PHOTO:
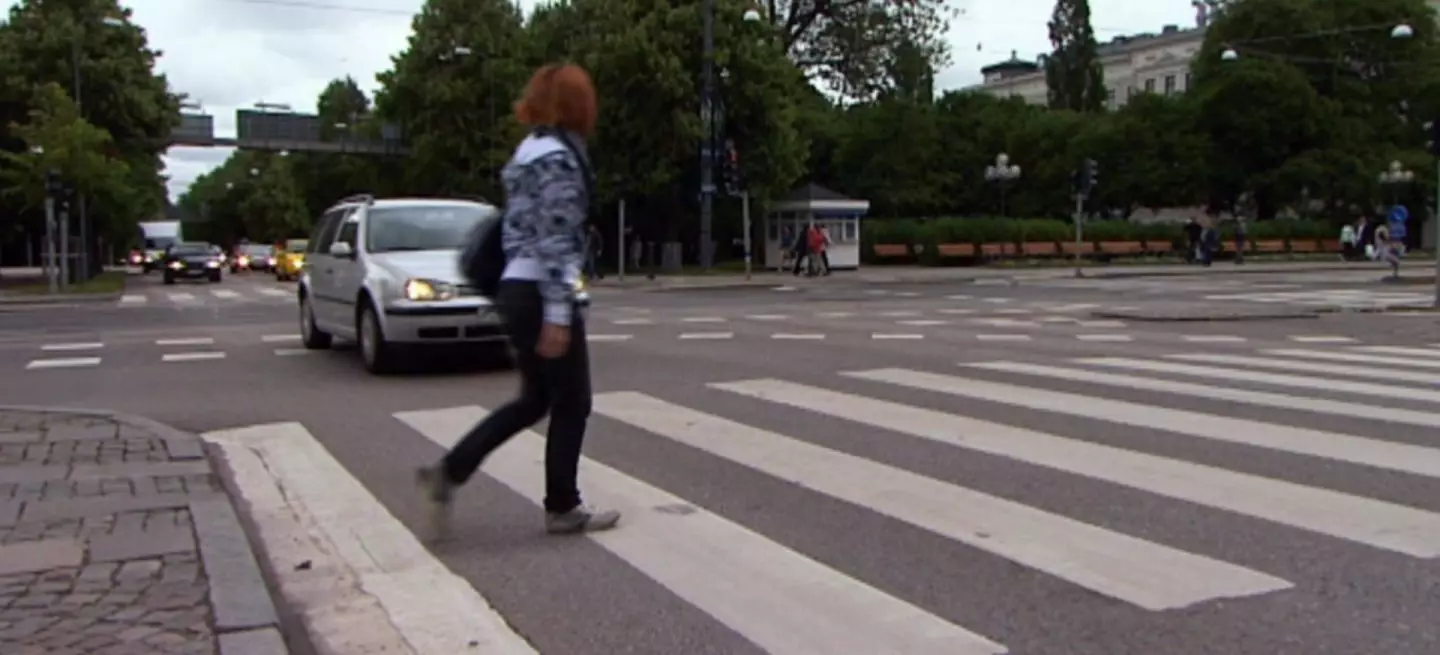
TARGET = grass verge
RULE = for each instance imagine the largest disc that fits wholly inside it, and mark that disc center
(107, 282)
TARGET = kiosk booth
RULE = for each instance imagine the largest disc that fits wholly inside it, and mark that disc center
(834, 213)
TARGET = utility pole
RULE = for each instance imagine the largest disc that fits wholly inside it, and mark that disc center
(707, 149)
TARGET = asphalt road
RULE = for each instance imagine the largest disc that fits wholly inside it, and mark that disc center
(835, 467)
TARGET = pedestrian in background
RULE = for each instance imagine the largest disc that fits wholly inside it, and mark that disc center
(548, 190)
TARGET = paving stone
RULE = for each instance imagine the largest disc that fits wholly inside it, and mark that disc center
(9, 513)
(14, 474)
(185, 448)
(237, 590)
(73, 432)
(47, 510)
(138, 570)
(138, 470)
(36, 556)
(19, 436)
(264, 641)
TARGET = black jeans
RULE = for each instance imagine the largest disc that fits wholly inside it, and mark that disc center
(559, 387)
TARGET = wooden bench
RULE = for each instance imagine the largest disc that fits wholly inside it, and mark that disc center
(1304, 245)
(996, 249)
(1274, 245)
(1039, 248)
(955, 249)
(891, 250)
(1084, 247)
(1331, 245)
(1122, 247)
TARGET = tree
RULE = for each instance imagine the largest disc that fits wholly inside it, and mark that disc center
(845, 44)
(449, 92)
(48, 42)
(56, 139)
(321, 177)
(1073, 73)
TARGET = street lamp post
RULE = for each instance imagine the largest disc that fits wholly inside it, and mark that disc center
(1002, 173)
(707, 119)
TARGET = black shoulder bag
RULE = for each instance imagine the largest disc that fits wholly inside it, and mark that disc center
(482, 262)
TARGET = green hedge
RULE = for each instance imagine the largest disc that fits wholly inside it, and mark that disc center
(922, 235)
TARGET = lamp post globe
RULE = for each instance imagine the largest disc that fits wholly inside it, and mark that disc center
(1229, 54)
(752, 15)
(1402, 31)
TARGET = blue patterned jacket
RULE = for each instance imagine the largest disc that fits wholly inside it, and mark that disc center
(546, 204)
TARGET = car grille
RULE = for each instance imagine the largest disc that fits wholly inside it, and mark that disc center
(466, 291)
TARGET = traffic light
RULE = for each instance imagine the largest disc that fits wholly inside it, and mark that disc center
(54, 185)
(1084, 179)
(730, 170)
(1433, 145)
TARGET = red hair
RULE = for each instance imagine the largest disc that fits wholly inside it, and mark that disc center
(559, 95)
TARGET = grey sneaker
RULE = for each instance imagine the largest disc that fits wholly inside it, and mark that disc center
(438, 491)
(581, 519)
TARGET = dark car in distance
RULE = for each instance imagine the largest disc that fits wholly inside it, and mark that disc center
(187, 260)
(253, 257)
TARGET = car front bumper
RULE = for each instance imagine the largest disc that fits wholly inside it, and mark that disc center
(452, 322)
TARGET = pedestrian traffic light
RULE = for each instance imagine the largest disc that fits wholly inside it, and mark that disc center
(1084, 179)
(53, 184)
(1433, 145)
(730, 170)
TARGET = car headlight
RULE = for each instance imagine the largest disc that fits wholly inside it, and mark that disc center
(580, 285)
(149, 259)
(428, 290)
(177, 265)
(272, 261)
(244, 261)
(214, 263)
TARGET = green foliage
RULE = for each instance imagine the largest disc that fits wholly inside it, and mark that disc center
(56, 139)
(1073, 73)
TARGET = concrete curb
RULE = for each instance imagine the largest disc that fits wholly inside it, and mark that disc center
(245, 616)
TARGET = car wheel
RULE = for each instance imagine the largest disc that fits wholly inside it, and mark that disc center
(169, 279)
(215, 277)
(376, 353)
(311, 337)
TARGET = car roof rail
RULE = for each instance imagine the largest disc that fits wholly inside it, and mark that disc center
(366, 198)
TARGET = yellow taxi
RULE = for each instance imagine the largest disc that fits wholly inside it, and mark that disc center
(290, 259)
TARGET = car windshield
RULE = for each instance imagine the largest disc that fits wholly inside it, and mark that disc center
(158, 243)
(296, 245)
(253, 250)
(190, 249)
(423, 227)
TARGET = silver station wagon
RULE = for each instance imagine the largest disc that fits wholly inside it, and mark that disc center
(386, 274)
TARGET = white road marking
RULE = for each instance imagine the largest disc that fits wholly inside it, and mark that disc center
(702, 319)
(1003, 337)
(1101, 324)
(608, 337)
(699, 556)
(1013, 310)
(959, 296)
(191, 357)
(895, 336)
(956, 312)
(1228, 394)
(182, 297)
(922, 322)
(998, 301)
(279, 338)
(1337, 370)
(1057, 319)
(371, 587)
(224, 293)
(1004, 322)
(1320, 339)
(1397, 350)
(192, 341)
(805, 336)
(1354, 357)
(133, 299)
(767, 317)
(1212, 338)
(1363, 520)
(1104, 337)
(276, 293)
(1296, 381)
(1150, 575)
(835, 314)
(713, 336)
(633, 321)
(907, 294)
(292, 352)
(878, 292)
(64, 347)
(67, 362)
(899, 313)
(783, 288)
(1073, 307)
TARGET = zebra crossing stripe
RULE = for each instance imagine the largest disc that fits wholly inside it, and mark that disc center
(372, 587)
(1397, 350)
(1372, 522)
(1150, 575)
(1353, 357)
(1296, 381)
(1300, 441)
(700, 556)
(1350, 370)
(1228, 394)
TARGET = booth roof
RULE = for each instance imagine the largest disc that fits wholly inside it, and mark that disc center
(814, 192)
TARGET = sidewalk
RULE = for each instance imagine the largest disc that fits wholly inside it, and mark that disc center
(972, 274)
(117, 538)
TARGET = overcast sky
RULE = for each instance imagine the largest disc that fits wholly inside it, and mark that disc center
(230, 54)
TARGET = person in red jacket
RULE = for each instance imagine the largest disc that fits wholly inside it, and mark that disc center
(818, 241)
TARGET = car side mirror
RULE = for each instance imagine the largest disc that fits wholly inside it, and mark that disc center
(342, 250)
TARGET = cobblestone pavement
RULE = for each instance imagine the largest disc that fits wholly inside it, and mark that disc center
(117, 538)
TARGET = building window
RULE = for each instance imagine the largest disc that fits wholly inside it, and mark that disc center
(1150, 85)
(1129, 91)
(1169, 84)
(1110, 97)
